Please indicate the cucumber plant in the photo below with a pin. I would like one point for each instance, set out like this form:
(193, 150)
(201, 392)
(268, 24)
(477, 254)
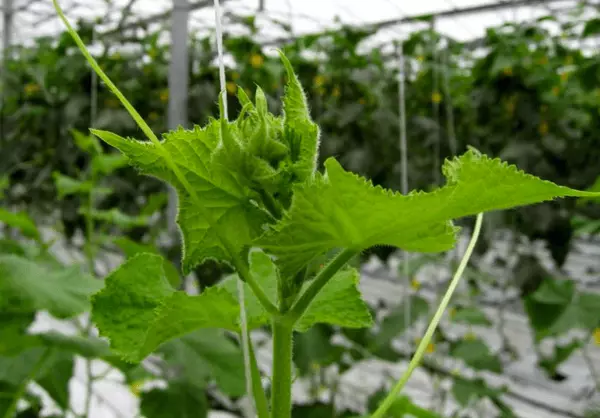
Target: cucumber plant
(250, 195)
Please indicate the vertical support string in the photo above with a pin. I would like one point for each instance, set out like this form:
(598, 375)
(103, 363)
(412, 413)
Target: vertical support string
(404, 173)
(240, 284)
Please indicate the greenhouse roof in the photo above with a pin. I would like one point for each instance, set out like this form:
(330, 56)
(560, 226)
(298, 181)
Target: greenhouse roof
(460, 19)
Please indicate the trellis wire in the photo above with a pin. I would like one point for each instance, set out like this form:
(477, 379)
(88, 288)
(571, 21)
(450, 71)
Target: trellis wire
(240, 284)
(404, 173)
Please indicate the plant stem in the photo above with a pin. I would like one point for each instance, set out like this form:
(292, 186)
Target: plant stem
(321, 280)
(258, 391)
(281, 392)
(12, 408)
(242, 270)
(414, 363)
(89, 246)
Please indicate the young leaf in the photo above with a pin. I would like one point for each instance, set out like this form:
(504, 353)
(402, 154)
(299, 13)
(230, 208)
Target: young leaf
(339, 302)
(221, 195)
(138, 310)
(340, 209)
(27, 286)
(67, 186)
(300, 132)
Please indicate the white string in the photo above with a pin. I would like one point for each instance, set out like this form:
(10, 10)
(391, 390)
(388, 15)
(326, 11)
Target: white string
(219, 28)
(404, 175)
(240, 284)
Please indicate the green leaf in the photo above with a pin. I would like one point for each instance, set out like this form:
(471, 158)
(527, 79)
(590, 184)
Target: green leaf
(55, 380)
(300, 132)
(138, 310)
(470, 315)
(131, 248)
(467, 390)
(86, 143)
(592, 27)
(106, 164)
(314, 348)
(560, 354)
(476, 354)
(21, 221)
(339, 302)
(219, 193)
(203, 355)
(26, 286)
(556, 307)
(394, 323)
(177, 400)
(67, 186)
(342, 210)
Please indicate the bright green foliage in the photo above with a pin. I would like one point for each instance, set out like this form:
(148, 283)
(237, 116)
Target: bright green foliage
(21, 221)
(26, 286)
(339, 303)
(231, 166)
(67, 186)
(220, 194)
(199, 356)
(139, 310)
(476, 354)
(301, 133)
(106, 164)
(131, 248)
(341, 209)
(557, 307)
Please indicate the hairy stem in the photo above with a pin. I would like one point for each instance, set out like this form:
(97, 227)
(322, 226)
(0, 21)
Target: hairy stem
(258, 391)
(416, 360)
(320, 280)
(281, 392)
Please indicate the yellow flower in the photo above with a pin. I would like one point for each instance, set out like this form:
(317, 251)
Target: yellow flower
(597, 336)
(31, 88)
(452, 312)
(469, 336)
(362, 101)
(256, 60)
(555, 90)
(414, 283)
(335, 92)
(136, 387)
(116, 56)
(234, 75)
(231, 87)
(436, 97)
(111, 102)
(420, 58)
(543, 128)
(430, 348)
(319, 80)
(164, 95)
(153, 116)
(507, 71)
(564, 76)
